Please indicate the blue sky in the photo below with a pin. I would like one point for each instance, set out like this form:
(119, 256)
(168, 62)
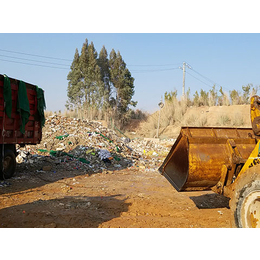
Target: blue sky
(230, 60)
(227, 59)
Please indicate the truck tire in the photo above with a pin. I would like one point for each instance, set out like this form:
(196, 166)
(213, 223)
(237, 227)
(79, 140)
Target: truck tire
(8, 163)
(245, 200)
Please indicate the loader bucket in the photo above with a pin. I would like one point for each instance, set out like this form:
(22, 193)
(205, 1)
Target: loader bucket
(196, 158)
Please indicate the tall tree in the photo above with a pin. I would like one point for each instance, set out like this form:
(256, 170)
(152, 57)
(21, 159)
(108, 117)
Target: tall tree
(100, 85)
(75, 90)
(123, 83)
(93, 85)
(103, 63)
(83, 64)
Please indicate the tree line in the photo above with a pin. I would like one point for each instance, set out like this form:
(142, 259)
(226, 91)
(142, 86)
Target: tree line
(214, 97)
(100, 86)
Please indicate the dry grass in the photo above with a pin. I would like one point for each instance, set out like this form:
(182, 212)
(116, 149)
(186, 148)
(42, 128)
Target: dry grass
(48, 113)
(176, 114)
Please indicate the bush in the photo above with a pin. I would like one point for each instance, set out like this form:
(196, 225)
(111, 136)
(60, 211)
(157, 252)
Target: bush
(224, 121)
(238, 120)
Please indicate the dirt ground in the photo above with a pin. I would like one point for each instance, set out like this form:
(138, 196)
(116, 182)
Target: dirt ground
(128, 198)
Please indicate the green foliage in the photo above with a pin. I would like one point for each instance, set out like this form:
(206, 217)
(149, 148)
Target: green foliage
(75, 90)
(123, 84)
(170, 96)
(221, 97)
(189, 101)
(196, 99)
(235, 97)
(137, 114)
(103, 63)
(204, 98)
(246, 93)
(213, 96)
(201, 99)
(98, 86)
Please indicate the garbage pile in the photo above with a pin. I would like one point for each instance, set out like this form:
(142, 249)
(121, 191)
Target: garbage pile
(74, 144)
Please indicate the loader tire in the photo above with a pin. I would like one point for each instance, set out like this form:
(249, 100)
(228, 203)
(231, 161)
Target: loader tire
(245, 200)
(7, 165)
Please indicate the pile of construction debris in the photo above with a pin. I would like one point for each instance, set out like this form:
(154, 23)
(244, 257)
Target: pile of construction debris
(74, 144)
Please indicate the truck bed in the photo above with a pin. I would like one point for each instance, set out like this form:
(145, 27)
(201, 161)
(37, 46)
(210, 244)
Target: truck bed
(10, 127)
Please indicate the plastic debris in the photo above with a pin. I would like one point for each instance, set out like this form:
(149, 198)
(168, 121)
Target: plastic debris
(74, 144)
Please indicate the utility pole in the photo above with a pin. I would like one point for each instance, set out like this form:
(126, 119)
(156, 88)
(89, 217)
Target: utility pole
(161, 106)
(183, 82)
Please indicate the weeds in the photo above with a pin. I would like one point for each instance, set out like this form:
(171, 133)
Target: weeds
(224, 120)
(238, 120)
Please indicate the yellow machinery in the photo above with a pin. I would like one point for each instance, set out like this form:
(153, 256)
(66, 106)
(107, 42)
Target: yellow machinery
(226, 160)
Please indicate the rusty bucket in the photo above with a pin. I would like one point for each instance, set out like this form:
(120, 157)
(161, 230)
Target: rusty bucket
(196, 158)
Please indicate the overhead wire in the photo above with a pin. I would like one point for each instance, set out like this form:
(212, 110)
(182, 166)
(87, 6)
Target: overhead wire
(203, 76)
(155, 70)
(131, 65)
(215, 83)
(198, 79)
(36, 55)
(159, 65)
(39, 65)
(46, 62)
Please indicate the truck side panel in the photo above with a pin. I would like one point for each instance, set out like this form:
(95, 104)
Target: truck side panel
(10, 127)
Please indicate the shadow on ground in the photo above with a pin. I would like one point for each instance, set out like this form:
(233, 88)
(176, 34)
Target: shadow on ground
(30, 176)
(67, 212)
(210, 201)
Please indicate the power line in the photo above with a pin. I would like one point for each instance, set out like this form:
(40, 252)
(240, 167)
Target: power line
(198, 79)
(204, 76)
(34, 60)
(208, 79)
(144, 71)
(161, 65)
(23, 53)
(33, 64)
(135, 71)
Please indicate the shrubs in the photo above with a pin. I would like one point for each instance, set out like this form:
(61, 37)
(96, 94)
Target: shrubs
(224, 120)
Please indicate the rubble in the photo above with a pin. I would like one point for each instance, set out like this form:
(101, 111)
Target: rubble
(74, 144)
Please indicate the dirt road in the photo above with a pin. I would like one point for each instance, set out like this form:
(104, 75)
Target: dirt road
(129, 198)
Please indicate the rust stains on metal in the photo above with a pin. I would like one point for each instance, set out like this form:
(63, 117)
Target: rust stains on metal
(196, 159)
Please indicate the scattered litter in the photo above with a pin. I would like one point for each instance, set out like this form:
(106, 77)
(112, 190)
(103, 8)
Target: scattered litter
(4, 183)
(74, 144)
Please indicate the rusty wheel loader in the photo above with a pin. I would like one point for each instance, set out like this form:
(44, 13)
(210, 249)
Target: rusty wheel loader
(225, 160)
